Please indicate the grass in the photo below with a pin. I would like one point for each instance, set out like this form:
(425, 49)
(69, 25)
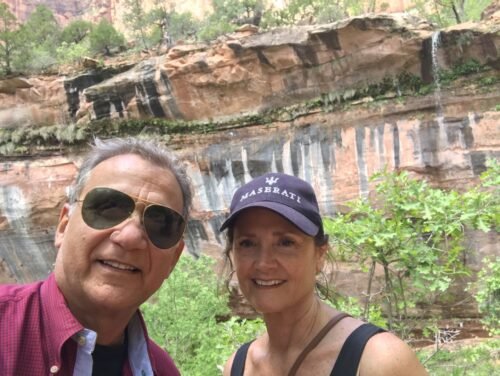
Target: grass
(479, 359)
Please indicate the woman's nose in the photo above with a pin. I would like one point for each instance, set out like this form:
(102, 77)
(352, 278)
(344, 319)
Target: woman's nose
(266, 257)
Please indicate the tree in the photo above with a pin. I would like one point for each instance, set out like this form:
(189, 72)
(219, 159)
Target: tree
(447, 12)
(488, 294)
(310, 12)
(76, 31)
(40, 37)
(136, 18)
(42, 29)
(170, 25)
(228, 14)
(9, 38)
(181, 25)
(104, 37)
(414, 233)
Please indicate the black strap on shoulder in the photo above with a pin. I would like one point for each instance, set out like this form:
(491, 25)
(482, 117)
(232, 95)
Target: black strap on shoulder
(240, 357)
(316, 340)
(347, 363)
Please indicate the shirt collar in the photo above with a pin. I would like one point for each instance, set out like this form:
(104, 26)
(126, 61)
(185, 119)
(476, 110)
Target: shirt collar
(138, 356)
(58, 323)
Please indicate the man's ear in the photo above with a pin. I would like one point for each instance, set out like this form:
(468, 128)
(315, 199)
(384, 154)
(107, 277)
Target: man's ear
(61, 226)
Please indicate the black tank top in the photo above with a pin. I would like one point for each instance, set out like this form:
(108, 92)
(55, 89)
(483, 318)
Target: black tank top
(347, 363)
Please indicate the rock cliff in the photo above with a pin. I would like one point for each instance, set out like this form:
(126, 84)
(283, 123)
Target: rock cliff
(332, 104)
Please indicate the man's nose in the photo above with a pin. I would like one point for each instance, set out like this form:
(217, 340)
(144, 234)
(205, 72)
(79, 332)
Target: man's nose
(131, 234)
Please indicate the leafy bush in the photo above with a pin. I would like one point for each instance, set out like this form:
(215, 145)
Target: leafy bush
(76, 31)
(189, 317)
(104, 38)
(353, 307)
(488, 295)
(414, 233)
(72, 52)
(40, 61)
(458, 70)
(470, 360)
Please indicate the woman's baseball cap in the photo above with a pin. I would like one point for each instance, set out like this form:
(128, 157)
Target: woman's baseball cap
(291, 197)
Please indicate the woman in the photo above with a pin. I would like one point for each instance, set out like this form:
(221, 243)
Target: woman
(277, 246)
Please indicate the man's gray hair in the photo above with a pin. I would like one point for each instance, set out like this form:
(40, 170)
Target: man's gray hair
(151, 151)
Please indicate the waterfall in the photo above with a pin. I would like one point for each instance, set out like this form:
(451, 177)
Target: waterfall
(15, 208)
(472, 119)
(244, 160)
(27, 254)
(436, 40)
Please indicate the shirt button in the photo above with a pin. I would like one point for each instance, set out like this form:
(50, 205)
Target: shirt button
(81, 340)
(54, 369)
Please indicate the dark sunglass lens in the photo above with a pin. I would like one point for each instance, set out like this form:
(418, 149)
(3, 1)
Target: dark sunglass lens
(163, 225)
(105, 207)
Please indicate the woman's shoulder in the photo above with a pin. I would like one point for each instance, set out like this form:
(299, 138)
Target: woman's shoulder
(228, 365)
(386, 354)
(238, 356)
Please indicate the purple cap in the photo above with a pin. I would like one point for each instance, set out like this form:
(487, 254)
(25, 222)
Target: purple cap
(287, 195)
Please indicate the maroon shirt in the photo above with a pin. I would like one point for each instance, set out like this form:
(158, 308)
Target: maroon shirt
(38, 333)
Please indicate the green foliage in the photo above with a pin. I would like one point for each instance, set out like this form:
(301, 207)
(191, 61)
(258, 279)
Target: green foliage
(354, 307)
(42, 28)
(469, 360)
(40, 60)
(136, 18)
(482, 203)
(181, 25)
(403, 84)
(37, 40)
(488, 294)
(491, 177)
(169, 26)
(448, 12)
(104, 38)
(414, 233)
(319, 11)
(10, 43)
(19, 141)
(305, 11)
(68, 53)
(228, 14)
(211, 29)
(76, 31)
(189, 317)
(462, 69)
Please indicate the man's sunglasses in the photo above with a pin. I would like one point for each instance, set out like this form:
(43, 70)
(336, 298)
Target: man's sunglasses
(103, 208)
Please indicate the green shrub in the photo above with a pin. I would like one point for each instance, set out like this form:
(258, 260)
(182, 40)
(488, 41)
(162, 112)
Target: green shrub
(189, 317)
(414, 233)
(488, 295)
(68, 53)
(471, 360)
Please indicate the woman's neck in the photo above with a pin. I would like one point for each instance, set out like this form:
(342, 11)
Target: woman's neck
(291, 330)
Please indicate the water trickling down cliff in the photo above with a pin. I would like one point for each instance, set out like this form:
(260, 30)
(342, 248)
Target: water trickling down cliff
(292, 85)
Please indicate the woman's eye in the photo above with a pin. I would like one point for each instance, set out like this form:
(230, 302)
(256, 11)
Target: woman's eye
(286, 242)
(245, 243)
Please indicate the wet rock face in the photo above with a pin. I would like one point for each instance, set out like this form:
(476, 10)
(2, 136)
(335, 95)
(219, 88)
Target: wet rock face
(250, 73)
(336, 151)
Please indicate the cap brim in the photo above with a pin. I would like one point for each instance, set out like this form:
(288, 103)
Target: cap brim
(298, 219)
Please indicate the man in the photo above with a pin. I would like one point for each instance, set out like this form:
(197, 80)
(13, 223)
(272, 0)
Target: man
(118, 238)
